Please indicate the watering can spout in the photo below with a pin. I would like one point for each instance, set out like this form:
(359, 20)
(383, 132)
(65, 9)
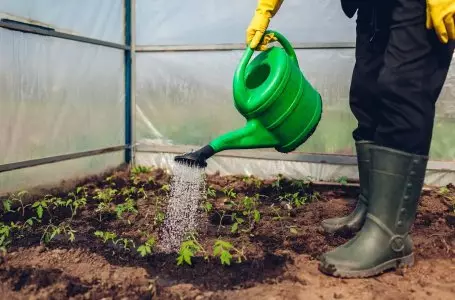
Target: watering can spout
(253, 135)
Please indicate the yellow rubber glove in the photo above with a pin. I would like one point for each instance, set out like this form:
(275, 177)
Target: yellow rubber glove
(265, 11)
(440, 16)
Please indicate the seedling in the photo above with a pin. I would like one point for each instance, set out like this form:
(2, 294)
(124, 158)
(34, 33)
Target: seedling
(75, 201)
(105, 236)
(166, 188)
(237, 222)
(110, 180)
(251, 180)
(277, 183)
(5, 233)
(140, 170)
(302, 184)
(111, 236)
(7, 204)
(188, 249)
(223, 249)
(159, 218)
(147, 247)
(63, 228)
(41, 205)
(105, 197)
(443, 191)
(207, 207)
(294, 199)
(211, 192)
(278, 217)
(343, 180)
(229, 193)
(127, 207)
(251, 211)
(315, 197)
(125, 243)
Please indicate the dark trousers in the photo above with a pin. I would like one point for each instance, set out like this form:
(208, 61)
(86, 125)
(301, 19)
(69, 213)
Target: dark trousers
(398, 75)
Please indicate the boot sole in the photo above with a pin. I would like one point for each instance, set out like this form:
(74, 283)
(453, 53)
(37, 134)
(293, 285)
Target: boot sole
(330, 269)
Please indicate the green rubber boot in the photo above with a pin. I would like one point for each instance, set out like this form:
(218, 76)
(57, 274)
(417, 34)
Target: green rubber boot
(355, 220)
(383, 243)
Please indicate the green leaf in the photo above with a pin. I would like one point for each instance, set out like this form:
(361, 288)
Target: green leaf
(225, 258)
(257, 216)
(7, 205)
(235, 227)
(39, 211)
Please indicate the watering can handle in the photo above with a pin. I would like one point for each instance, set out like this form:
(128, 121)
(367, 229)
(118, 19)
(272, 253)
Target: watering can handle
(240, 72)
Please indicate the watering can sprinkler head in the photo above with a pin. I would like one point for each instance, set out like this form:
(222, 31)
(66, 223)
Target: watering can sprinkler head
(196, 158)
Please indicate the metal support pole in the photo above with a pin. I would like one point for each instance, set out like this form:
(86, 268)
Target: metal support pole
(129, 59)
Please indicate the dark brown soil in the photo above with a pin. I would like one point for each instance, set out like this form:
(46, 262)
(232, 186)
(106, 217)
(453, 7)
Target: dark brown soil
(279, 252)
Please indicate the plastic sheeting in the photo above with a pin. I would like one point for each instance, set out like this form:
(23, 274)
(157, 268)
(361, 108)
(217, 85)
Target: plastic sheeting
(100, 19)
(58, 96)
(176, 22)
(54, 174)
(186, 98)
(271, 168)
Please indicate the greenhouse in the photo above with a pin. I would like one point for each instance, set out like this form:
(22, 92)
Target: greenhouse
(97, 100)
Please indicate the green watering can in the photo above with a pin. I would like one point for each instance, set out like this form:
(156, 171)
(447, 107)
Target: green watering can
(281, 108)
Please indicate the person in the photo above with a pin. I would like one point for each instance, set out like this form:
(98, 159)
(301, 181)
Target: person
(403, 52)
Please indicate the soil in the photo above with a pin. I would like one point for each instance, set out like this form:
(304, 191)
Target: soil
(280, 252)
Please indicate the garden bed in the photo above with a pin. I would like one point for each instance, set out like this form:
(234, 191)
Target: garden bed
(102, 241)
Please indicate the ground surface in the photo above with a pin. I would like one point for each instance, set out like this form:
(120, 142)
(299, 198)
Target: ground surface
(278, 252)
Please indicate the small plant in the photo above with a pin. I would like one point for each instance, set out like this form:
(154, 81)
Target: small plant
(222, 249)
(294, 199)
(302, 184)
(105, 196)
(230, 193)
(5, 237)
(110, 181)
(316, 196)
(125, 242)
(140, 170)
(63, 228)
(146, 248)
(105, 236)
(343, 180)
(188, 249)
(249, 210)
(159, 218)
(127, 207)
(237, 222)
(42, 205)
(76, 200)
(165, 188)
(207, 207)
(7, 203)
(211, 192)
(251, 180)
(443, 191)
(277, 183)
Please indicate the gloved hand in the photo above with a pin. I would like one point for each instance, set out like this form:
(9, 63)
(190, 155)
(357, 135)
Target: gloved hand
(440, 16)
(265, 11)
